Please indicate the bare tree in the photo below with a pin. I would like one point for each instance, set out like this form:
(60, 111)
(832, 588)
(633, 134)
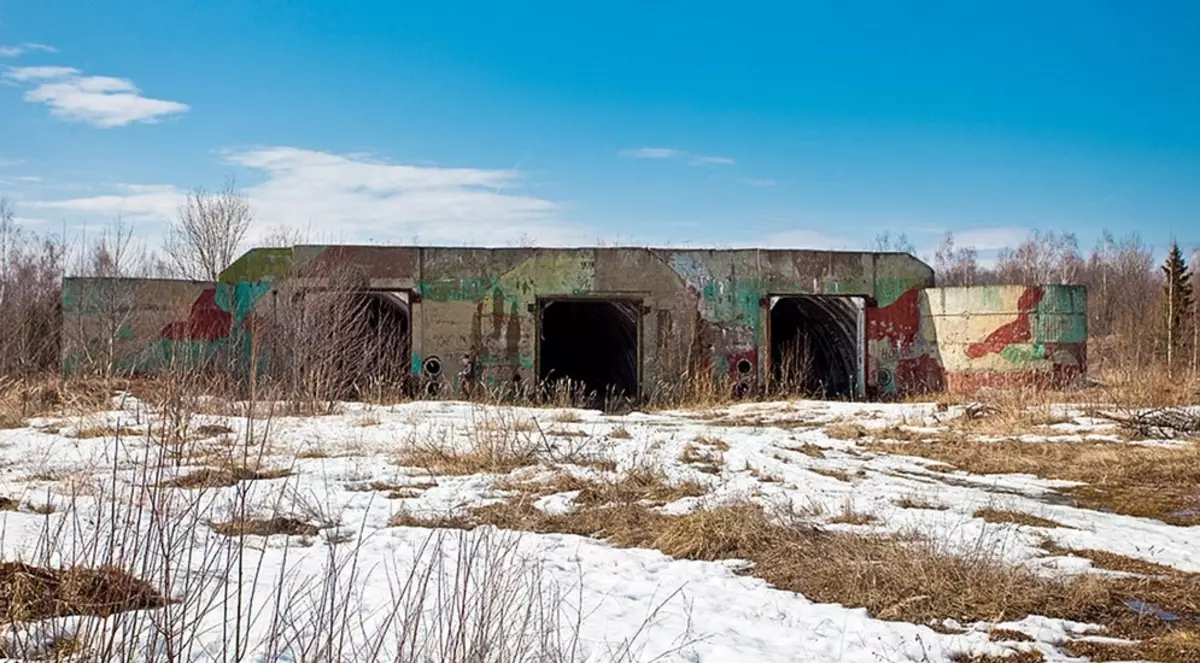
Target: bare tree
(1042, 258)
(956, 265)
(207, 232)
(884, 242)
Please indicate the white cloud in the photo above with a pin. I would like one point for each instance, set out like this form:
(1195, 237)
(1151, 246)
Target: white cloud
(8, 163)
(753, 182)
(356, 198)
(672, 153)
(652, 153)
(21, 49)
(101, 101)
(133, 202)
(709, 161)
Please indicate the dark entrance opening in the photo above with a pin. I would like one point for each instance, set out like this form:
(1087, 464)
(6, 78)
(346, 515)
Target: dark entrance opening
(593, 344)
(815, 346)
(376, 348)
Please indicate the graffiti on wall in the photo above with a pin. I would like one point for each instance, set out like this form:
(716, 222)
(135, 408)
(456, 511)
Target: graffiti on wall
(700, 308)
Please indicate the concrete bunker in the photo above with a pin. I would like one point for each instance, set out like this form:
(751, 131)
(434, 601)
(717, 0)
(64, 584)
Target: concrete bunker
(592, 343)
(817, 345)
(375, 343)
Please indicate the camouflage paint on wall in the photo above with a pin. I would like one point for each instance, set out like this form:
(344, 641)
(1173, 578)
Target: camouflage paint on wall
(1003, 336)
(701, 309)
(138, 325)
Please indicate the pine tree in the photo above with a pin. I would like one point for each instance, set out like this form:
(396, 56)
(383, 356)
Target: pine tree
(1178, 302)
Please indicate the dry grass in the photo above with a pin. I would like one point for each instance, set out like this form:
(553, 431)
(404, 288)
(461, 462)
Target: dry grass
(1008, 635)
(845, 431)
(21, 399)
(567, 417)
(393, 491)
(715, 443)
(991, 515)
(849, 516)
(1135, 480)
(211, 430)
(1011, 657)
(894, 577)
(447, 460)
(1102, 559)
(620, 433)
(223, 477)
(914, 502)
(809, 449)
(266, 527)
(840, 475)
(493, 446)
(29, 593)
(9, 504)
(42, 509)
(705, 460)
(107, 430)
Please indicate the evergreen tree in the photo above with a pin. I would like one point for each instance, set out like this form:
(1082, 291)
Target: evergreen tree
(1178, 301)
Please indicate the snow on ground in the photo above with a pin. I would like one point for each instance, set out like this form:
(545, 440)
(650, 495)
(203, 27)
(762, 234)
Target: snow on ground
(342, 466)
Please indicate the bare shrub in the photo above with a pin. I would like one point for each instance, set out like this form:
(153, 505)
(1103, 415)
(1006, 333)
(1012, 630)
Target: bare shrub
(31, 269)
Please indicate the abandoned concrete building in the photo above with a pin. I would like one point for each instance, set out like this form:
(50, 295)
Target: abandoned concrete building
(625, 320)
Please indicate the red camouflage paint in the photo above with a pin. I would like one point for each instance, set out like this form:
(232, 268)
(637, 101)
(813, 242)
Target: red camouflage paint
(1017, 331)
(205, 322)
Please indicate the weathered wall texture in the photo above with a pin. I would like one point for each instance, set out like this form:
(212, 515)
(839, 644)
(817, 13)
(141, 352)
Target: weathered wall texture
(701, 309)
(1006, 336)
(136, 325)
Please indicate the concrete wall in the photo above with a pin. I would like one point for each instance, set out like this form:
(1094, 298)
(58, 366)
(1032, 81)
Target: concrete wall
(1004, 336)
(137, 325)
(701, 309)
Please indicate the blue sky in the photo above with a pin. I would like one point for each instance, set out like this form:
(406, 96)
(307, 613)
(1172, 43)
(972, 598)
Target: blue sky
(697, 123)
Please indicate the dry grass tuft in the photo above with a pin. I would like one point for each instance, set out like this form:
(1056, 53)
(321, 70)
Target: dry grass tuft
(108, 430)
(446, 460)
(705, 460)
(223, 477)
(393, 491)
(809, 449)
(567, 417)
(1008, 635)
(266, 527)
(29, 593)
(840, 475)
(404, 518)
(9, 504)
(1011, 657)
(1102, 559)
(845, 431)
(719, 445)
(991, 515)
(849, 516)
(913, 502)
(211, 430)
(494, 446)
(1135, 480)
(620, 433)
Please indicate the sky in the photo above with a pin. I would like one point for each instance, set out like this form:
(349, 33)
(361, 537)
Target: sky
(701, 124)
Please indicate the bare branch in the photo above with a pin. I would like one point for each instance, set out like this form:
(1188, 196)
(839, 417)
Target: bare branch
(207, 232)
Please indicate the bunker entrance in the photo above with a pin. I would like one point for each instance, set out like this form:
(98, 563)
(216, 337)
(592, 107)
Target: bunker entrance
(817, 346)
(590, 347)
(376, 347)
